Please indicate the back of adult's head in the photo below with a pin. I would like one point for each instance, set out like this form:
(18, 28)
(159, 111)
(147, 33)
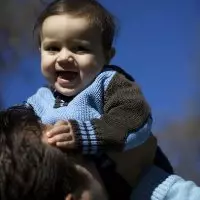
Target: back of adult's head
(29, 169)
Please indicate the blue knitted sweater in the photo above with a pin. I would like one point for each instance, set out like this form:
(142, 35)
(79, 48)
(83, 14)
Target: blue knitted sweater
(111, 113)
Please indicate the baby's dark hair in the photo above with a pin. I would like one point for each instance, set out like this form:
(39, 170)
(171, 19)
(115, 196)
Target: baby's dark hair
(97, 16)
(30, 169)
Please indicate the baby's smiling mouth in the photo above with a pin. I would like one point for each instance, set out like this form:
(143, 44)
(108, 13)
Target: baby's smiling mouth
(67, 76)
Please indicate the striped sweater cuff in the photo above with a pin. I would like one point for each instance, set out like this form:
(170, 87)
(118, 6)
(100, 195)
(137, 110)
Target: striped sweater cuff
(85, 136)
(154, 185)
(161, 191)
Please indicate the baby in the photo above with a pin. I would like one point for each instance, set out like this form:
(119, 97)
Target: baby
(95, 108)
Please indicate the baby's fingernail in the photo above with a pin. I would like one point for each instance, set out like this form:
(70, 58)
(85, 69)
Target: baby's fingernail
(48, 134)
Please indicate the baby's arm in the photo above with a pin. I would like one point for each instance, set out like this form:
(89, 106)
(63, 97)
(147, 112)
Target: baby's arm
(125, 124)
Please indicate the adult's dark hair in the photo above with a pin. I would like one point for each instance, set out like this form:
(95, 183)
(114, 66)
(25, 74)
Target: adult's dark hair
(30, 169)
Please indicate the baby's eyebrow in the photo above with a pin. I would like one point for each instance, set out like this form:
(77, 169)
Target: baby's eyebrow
(84, 42)
(49, 41)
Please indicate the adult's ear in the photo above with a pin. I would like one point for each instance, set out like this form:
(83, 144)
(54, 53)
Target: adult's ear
(85, 195)
(110, 54)
(70, 197)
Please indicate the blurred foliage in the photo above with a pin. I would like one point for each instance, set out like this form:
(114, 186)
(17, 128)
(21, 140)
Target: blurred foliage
(180, 140)
(17, 18)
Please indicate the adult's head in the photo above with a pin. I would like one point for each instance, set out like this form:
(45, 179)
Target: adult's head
(33, 170)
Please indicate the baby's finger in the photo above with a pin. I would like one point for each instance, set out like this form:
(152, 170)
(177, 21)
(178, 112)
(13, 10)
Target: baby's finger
(57, 130)
(60, 138)
(61, 122)
(66, 145)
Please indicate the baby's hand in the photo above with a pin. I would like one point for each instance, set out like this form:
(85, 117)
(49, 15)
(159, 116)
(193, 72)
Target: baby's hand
(61, 135)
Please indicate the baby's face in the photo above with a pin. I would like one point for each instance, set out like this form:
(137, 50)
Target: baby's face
(71, 53)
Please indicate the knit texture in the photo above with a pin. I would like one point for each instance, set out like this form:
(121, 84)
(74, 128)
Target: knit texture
(111, 113)
(155, 185)
(87, 105)
(159, 185)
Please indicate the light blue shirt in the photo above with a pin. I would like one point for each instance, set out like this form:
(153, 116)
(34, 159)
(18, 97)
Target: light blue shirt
(159, 185)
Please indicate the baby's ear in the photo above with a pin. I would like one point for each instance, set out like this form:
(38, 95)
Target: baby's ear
(110, 54)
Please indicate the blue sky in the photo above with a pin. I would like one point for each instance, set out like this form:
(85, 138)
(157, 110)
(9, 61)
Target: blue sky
(157, 44)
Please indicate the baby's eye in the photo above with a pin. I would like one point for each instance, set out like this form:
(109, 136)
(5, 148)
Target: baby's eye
(52, 49)
(81, 49)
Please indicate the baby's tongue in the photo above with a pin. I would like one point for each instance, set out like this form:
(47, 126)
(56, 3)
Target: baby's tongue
(67, 75)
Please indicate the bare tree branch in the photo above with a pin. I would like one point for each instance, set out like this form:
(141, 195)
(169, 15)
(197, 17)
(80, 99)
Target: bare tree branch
(16, 24)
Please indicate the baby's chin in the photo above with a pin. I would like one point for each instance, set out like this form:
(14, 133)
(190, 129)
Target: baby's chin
(68, 92)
